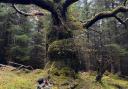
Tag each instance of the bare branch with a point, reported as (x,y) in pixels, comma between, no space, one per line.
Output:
(45,4)
(67,3)
(121,21)
(126,20)
(106,14)
(27,14)
(20,66)
(17,1)
(125,2)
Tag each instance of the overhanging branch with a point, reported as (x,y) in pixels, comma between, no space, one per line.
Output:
(67,3)
(45,4)
(17,1)
(125,2)
(27,14)
(106,14)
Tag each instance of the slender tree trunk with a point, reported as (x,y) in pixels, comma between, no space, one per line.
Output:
(112,68)
(100,74)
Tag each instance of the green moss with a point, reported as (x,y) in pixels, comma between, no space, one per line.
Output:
(64,53)
(65,71)
(86,80)
(74,25)
(62,49)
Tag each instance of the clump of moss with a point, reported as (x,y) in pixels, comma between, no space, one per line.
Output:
(62,49)
(75,25)
(63,78)
(65,71)
(64,54)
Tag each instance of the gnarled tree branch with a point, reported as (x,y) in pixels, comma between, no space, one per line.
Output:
(67,3)
(27,14)
(125,2)
(45,4)
(48,5)
(106,14)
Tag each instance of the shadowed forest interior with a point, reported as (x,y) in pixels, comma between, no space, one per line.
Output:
(75,44)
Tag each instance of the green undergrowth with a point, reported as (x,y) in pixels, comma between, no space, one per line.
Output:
(108,82)
(85,80)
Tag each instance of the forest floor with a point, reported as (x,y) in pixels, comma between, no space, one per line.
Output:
(21,80)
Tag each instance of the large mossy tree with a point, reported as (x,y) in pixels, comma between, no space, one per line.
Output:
(60,48)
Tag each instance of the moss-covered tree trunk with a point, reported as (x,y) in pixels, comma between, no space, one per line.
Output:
(60,41)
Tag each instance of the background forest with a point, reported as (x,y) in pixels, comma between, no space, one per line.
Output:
(28,40)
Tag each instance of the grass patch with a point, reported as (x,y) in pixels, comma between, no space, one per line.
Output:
(21,80)
(16,80)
